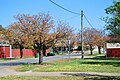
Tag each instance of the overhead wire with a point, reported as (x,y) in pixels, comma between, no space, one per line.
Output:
(64,8)
(88,21)
(71,12)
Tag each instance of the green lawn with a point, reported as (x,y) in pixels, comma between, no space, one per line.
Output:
(75,65)
(58,78)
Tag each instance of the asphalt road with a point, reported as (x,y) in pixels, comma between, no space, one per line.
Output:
(35,60)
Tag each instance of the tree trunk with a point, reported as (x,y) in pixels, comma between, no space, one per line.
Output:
(40,57)
(41,53)
(61,50)
(82,56)
(99,49)
(44,50)
(91,50)
(21,53)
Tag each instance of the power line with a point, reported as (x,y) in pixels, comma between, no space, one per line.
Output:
(88,21)
(64,8)
(71,12)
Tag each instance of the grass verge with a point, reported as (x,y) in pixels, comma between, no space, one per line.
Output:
(75,65)
(58,78)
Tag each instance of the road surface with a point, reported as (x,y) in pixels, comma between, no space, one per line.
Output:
(35,60)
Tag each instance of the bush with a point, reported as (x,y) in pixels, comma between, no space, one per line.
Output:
(79,47)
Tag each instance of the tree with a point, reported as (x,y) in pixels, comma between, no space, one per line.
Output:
(3,40)
(77,40)
(94,37)
(1,33)
(63,33)
(90,38)
(113,22)
(100,40)
(16,37)
(38,29)
(1,28)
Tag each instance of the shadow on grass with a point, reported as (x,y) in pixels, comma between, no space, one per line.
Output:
(103,78)
(102,60)
(115,64)
(89,76)
(80,74)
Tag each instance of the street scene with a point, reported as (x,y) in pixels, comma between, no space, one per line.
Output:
(63,40)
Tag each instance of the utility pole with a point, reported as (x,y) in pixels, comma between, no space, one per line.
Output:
(82,43)
(69,48)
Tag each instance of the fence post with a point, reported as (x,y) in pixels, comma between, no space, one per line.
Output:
(10,51)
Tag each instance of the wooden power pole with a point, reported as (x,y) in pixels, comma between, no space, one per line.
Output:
(82,42)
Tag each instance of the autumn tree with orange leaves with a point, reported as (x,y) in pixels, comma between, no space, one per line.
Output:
(63,33)
(16,37)
(1,33)
(100,40)
(36,29)
(93,37)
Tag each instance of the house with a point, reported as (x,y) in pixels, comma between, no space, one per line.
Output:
(113,50)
